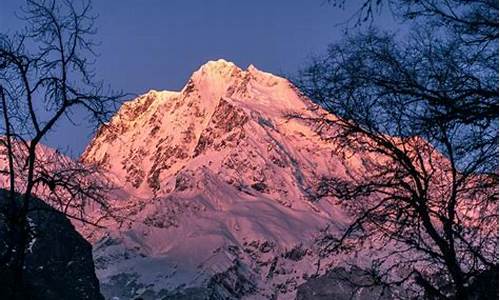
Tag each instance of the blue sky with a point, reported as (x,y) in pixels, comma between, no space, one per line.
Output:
(155,44)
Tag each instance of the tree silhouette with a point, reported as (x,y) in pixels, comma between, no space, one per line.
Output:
(45,76)
(424,109)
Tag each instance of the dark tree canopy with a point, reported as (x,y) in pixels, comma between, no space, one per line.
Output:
(424,107)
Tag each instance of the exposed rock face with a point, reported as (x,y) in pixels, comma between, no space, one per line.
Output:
(58,262)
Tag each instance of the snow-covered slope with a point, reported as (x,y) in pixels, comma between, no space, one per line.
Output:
(217,188)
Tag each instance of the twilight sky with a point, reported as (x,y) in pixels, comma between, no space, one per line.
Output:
(157,44)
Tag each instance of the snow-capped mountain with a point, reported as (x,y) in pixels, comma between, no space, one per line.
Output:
(216,189)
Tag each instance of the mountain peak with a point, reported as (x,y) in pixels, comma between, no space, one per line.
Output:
(221,68)
(218,68)
(217,92)
(252,69)
(219,63)
(220,167)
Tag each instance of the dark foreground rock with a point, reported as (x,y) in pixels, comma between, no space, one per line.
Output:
(485,285)
(341,284)
(58,263)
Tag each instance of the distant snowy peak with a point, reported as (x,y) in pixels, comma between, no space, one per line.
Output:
(218,187)
(251,88)
(221,108)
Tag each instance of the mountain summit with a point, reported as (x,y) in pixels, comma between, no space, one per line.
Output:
(217,186)
(221,108)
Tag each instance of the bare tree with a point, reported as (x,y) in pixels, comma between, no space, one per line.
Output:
(473,20)
(424,110)
(46,75)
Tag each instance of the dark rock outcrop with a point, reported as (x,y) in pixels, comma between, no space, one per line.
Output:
(58,262)
(341,284)
(485,285)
